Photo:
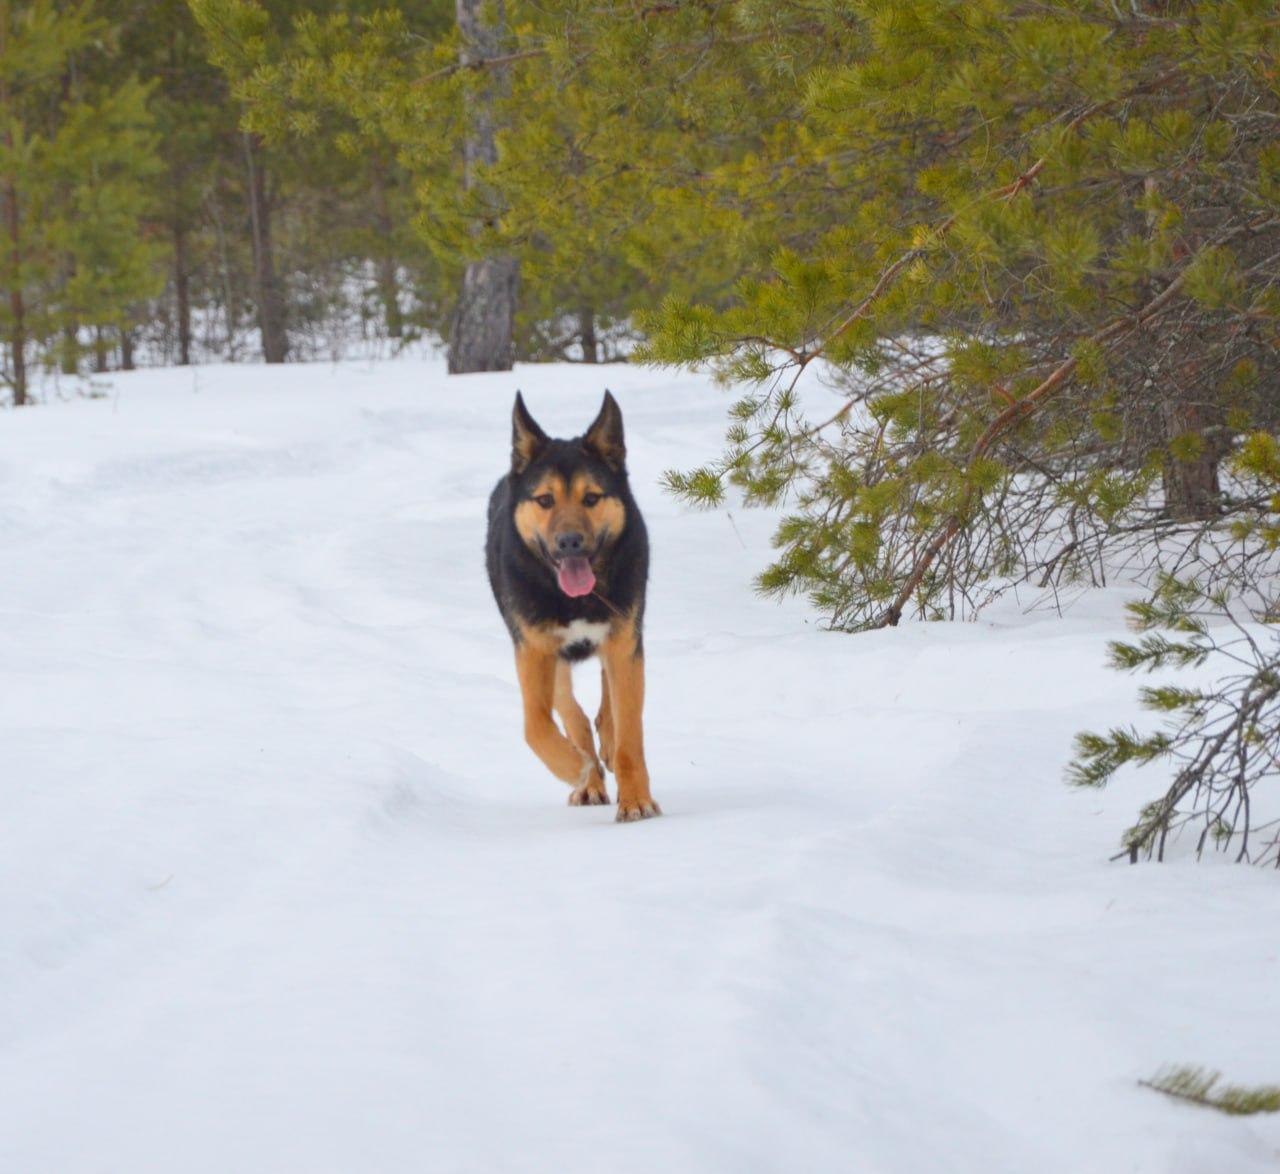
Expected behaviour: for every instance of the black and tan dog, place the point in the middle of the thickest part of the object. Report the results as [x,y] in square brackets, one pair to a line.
[568,558]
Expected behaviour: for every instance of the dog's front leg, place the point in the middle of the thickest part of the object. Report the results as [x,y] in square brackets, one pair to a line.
[624,670]
[578,727]
[536,671]
[604,721]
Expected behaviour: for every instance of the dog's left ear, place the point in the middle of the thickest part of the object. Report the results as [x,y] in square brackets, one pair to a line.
[604,437]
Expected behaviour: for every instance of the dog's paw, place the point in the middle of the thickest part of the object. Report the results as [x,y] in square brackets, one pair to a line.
[591,794]
[629,812]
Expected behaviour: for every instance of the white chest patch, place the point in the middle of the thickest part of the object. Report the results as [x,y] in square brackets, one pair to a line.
[583,631]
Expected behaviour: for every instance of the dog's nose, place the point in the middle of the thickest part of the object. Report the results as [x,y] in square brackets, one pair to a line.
[569,544]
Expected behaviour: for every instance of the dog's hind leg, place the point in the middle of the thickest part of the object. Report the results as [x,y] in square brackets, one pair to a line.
[578,726]
[604,722]
[536,671]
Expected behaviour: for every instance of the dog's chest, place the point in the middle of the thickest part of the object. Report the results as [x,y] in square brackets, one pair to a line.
[580,638]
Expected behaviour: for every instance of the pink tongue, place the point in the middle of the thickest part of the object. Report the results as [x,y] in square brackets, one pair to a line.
[576,577]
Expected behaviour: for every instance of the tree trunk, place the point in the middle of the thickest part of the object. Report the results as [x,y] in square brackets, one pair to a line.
[587,333]
[266,284]
[1191,490]
[17,310]
[481,338]
[12,224]
[100,364]
[389,292]
[126,349]
[388,283]
[182,291]
[484,322]
[230,302]
[181,264]
[69,359]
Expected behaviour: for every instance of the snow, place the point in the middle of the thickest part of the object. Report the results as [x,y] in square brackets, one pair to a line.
[284,890]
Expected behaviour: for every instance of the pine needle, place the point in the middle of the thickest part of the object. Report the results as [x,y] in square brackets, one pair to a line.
[1200,1087]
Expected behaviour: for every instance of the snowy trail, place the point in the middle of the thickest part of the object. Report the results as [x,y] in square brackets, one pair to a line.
[284,890]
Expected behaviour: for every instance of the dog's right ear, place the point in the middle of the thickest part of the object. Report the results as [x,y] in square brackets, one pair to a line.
[527,439]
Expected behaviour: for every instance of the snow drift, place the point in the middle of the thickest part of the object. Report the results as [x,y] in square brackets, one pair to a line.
[284,890]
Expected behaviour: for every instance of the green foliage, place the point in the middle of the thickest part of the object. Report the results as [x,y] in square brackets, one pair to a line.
[1099,756]
[330,91]
[1201,1087]
[100,164]
[1222,739]
[948,204]
[702,487]
[566,195]
[76,154]
[1213,279]
[1257,463]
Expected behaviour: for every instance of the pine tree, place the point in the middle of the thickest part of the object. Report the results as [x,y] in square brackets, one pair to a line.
[1032,250]
[328,94]
[601,193]
[74,159]
[241,36]
[566,193]
[195,121]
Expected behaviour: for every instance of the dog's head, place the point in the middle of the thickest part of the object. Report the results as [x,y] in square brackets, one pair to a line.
[570,495]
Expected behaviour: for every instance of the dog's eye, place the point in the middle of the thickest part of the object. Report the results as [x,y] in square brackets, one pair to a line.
[590,499]
[545,500]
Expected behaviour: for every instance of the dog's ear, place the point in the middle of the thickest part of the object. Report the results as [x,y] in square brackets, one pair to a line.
[527,439]
[604,437]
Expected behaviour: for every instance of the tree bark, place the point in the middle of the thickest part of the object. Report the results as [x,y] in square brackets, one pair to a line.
[484,320]
[267,290]
[388,283]
[481,338]
[587,334]
[69,360]
[100,357]
[182,291]
[17,309]
[389,292]
[181,264]
[230,302]
[1191,489]
[13,229]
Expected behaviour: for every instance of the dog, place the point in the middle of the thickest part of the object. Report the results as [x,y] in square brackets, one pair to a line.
[568,560]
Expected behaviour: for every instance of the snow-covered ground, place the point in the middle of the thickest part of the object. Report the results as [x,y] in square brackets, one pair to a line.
[281,888]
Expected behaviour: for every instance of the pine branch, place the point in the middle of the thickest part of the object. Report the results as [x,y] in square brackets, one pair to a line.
[1005,192]
[1199,1087]
[1016,413]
